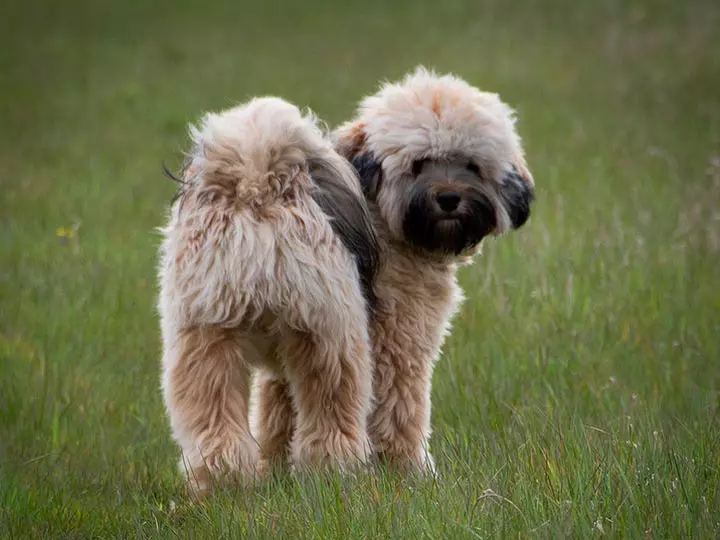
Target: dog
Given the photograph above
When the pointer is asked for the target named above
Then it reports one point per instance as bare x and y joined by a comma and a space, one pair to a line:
266, 268
442, 167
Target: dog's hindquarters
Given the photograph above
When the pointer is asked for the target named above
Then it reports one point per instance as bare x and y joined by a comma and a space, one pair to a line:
252, 265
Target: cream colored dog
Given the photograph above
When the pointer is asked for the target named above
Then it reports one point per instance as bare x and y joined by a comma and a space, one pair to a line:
442, 167
270, 264
267, 263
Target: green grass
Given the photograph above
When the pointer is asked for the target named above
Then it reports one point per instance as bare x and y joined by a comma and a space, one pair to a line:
578, 395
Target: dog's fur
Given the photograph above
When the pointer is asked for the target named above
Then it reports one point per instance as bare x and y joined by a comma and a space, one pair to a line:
267, 263
442, 167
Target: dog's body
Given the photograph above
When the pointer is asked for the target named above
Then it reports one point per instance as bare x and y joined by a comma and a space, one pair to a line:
441, 167
267, 262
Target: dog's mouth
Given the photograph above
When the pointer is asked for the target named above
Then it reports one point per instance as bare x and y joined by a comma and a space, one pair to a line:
449, 233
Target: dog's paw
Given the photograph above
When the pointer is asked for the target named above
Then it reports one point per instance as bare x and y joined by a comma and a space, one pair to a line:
421, 462
333, 450
232, 466
202, 482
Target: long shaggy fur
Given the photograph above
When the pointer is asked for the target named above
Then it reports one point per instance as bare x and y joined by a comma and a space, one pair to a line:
441, 166
266, 264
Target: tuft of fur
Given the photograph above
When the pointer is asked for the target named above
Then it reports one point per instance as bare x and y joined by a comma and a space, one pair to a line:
442, 166
262, 265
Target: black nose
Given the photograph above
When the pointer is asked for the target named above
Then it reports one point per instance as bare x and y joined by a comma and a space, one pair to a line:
448, 200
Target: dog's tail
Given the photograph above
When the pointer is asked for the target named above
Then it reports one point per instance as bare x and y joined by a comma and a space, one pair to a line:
266, 154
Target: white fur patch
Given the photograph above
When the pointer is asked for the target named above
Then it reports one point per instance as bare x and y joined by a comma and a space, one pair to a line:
431, 116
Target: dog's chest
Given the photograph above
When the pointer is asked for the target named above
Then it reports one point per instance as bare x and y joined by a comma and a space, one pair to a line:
418, 301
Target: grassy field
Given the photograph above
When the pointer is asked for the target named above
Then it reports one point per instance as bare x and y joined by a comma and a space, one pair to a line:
579, 394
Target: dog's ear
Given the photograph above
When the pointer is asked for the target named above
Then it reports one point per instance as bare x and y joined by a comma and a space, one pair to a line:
350, 139
369, 170
518, 193
520, 166
350, 142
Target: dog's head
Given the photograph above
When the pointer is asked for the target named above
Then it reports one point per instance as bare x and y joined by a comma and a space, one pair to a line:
442, 160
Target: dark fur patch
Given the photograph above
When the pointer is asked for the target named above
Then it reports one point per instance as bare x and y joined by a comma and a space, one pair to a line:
424, 228
370, 172
517, 197
350, 220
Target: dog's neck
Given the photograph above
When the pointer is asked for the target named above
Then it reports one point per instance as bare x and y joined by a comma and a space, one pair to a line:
420, 267
417, 292
437, 261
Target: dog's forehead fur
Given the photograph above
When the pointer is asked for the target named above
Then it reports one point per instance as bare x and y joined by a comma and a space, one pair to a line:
439, 117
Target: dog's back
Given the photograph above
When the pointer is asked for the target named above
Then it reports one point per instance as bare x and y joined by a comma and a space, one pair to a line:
258, 179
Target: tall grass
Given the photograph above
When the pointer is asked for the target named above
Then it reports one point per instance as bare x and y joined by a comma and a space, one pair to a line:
578, 395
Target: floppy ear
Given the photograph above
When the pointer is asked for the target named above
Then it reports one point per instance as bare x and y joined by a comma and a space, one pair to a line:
518, 193
350, 142
522, 169
370, 172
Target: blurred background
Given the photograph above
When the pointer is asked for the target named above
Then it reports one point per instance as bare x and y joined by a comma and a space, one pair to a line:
584, 366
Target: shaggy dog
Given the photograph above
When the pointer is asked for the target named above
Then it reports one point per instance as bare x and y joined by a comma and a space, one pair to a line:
267, 264
442, 167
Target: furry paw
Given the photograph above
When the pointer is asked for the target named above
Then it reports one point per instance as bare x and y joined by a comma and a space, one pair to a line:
235, 466
334, 450
420, 462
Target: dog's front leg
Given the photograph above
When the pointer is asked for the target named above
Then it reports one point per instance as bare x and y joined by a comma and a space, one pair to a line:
399, 424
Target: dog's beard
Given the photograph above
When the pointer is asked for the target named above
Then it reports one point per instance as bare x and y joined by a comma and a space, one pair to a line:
426, 228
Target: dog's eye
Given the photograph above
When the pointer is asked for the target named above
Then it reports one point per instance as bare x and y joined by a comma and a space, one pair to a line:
473, 168
417, 166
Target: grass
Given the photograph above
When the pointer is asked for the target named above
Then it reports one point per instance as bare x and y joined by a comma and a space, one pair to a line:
578, 395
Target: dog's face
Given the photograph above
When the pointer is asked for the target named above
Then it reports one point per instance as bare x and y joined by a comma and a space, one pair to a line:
442, 162
447, 210
449, 207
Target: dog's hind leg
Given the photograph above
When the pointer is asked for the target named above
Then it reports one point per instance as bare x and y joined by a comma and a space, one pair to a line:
330, 385
317, 412
324, 345
207, 390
